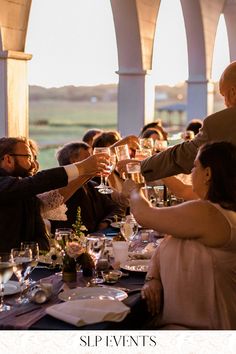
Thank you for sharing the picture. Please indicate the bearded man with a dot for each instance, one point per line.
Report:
(20, 219)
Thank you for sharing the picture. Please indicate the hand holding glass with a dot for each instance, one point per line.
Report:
(99, 150)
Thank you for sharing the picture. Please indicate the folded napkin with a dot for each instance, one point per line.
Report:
(87, 311)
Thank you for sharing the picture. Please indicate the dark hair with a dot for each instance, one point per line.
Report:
(194, 125)
(149, 132)
(155, 125)
(221, 158)
(70, 150)
(90, 134)
(106, 139)
(7, 145)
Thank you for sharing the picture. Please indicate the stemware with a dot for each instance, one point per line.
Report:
(6, 270)
(21, 267)
(111, 167)
(122, 152)
(99, 150)
(34, 247)
(134, 172)
(129, 228)
(95, 245)
(62, 236)
(146, 143)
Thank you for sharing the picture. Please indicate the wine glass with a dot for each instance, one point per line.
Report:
(129, 228)
(146, 143)
(34, 247)
(6, 270)
(62, 236)
(22, 266)
(111, 167)
(95, 245)
(99, 150)
(122, 153)
(134, 172)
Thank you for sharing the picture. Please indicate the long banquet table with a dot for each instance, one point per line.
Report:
(134, 319)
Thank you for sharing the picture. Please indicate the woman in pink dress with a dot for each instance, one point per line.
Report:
(191, 281)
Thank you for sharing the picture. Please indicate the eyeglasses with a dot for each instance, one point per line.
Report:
(29, 157)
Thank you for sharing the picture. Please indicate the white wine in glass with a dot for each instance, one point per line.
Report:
(100, 150)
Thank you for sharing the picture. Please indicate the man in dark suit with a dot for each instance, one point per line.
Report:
(20, 218)
(97, 210)
(219, 126)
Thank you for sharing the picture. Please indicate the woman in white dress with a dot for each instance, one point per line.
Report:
(191, 281)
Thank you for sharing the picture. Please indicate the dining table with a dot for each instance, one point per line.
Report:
(34, 317)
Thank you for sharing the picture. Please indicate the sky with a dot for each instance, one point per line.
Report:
(73, 43)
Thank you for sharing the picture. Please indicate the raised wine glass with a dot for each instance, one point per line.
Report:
(95, 245)
(21, 267)
(99, 150)
(6, 270)
(112, 164)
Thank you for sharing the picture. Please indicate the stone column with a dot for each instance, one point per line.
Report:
(200, 98)
(135, 101)
(14, 96)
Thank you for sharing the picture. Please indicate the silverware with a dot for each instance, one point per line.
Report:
(127, 290)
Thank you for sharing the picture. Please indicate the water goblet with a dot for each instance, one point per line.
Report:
(21, 267)
(99, 150)
(34, 247)
(95, 245)
(6, 271)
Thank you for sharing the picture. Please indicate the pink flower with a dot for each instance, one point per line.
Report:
(74, 249)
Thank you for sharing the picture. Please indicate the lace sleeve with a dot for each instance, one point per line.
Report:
(52, 206)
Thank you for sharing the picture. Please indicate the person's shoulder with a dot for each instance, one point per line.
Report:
(227, 113)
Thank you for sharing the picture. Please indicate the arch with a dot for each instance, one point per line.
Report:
(135, 23)
(201, 20)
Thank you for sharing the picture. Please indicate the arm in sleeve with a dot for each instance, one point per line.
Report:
(174, 160)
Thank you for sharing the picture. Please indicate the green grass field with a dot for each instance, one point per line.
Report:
(54, 123)
(66, 121)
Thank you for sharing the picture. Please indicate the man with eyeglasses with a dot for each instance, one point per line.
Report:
(20, 219)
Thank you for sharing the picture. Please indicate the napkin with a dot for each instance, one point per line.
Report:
(87, 311)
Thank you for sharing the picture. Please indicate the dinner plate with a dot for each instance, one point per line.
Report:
(136, 265)
(117, 224)
(140, 255)
(11, 287)
(100, 293)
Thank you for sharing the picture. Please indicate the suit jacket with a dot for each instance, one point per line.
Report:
(20, 219)
(220, 126)
(95, 208)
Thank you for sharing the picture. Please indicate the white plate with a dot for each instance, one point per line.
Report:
(117, 224)
(11, 287)
(140, 255)
(100, 293)
(136, 265)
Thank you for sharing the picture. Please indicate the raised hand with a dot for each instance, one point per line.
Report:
(94, 165)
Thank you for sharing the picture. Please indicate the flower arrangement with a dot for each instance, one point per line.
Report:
(75, 252)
